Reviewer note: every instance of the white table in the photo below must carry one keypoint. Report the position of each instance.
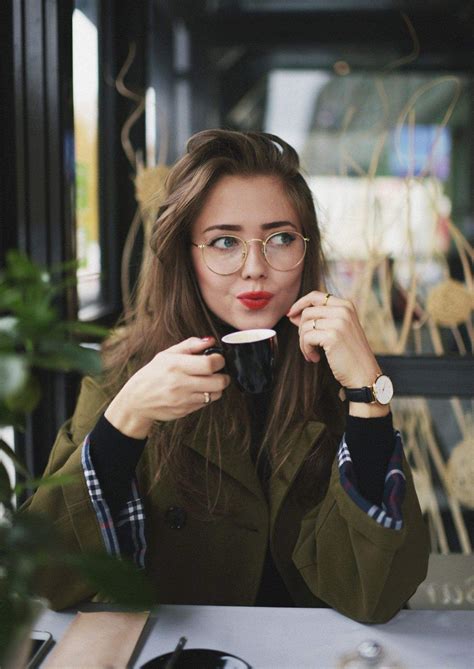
(278, 638)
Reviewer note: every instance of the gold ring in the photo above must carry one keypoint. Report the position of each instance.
(326, 298)
(314, 323)
(207, 398)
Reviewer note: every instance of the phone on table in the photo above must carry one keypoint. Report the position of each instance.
(41, 642)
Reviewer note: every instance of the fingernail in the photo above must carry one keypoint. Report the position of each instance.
(206, 338)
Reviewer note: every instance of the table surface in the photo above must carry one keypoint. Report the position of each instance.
(281, 638)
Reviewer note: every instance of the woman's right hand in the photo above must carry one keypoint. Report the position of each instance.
(170, 386)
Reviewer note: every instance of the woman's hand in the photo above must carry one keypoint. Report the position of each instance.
(172, 385)
(335, 327)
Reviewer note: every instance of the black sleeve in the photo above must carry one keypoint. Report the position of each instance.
(370, 442)
(115, 457)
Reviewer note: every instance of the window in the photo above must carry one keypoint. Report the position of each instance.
(86, 121)
(387, 157)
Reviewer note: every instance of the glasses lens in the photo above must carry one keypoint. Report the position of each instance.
(285, 250)
(224, 255)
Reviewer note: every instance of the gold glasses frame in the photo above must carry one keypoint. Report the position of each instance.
(245, 252)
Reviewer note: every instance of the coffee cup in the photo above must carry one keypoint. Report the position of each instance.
(250, 357)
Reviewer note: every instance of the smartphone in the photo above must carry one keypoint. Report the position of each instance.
(41, 642)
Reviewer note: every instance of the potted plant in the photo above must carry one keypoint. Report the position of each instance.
(33, 337)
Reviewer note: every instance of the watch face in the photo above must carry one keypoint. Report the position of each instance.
(383, 389)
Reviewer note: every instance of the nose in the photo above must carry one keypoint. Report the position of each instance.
(255, 265)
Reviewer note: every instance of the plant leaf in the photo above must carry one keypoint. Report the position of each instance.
(79, 327)
(26, 398)
(29, 534)
(17, 463)
(11, 418)
(118, 579)
(13, 374)
(52, 481)
(68, 356)
(5, 486)
(8, 324)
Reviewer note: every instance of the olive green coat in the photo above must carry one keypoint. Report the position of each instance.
(333, 552)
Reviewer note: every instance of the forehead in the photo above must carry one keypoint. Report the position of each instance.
(247, 202)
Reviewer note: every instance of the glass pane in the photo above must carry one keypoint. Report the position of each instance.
(438, 436)
(388, 160)
(85, 86)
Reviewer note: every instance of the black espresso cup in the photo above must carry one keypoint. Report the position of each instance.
(198, 658)
(250, 358)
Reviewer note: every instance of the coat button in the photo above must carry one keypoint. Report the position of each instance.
(175, 517)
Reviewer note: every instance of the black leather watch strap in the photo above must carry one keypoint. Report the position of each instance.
(359, 395)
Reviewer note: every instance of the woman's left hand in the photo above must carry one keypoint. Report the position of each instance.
(335, 327)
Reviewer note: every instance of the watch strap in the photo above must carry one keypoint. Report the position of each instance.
(359, 394)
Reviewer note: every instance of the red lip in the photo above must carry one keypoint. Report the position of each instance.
(257, 299)
(255, 295)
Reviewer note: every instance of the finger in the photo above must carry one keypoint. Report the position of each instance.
(311, 299)
(191, 394)
(295, 320)
(336, 325)
(192, 345)
(310, 313)
(309, 316)
(198, 400)
(314, 299)
(217, 362)
(311, 343)
(336, 312)
(188, 364)
(200, 365)
(214, 383)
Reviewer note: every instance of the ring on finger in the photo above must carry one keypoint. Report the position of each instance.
(314, 324)
(207, 398)
(326, 299)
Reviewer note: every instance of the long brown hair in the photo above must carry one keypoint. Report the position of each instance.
(169, 308)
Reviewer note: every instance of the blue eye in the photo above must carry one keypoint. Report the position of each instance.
(281, 239)
(224, 243)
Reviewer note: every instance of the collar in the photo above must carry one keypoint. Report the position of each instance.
(239, 466)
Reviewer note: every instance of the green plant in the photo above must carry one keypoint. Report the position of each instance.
(33, 337)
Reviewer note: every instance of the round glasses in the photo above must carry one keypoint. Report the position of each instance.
(226, 254)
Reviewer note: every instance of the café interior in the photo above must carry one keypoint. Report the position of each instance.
(377, 96)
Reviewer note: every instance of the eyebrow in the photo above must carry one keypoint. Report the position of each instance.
(238, 228)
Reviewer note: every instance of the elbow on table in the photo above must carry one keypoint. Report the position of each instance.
(400, 586)
(62, 588)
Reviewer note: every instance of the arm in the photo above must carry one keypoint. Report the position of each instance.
(109, 461)
(370, 444)
(365, 569)
(69, 505)
(80, 509)
(352, 554)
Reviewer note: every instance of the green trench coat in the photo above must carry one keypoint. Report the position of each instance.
(333, 553)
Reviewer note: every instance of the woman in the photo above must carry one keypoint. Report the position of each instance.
(227, 498)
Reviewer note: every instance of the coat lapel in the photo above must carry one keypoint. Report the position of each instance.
(232, 462)
(239, 466)
(303, 440)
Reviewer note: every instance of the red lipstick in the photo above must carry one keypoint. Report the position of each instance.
(257, 299)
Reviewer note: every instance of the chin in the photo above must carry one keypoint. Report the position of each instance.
(254, 321)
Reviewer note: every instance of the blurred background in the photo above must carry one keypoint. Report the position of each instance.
(99, 98)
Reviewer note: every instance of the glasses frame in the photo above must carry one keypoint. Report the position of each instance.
(245, 252)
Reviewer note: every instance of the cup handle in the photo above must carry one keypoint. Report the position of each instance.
(213, 349)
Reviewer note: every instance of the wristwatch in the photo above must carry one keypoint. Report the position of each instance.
(381, 391)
